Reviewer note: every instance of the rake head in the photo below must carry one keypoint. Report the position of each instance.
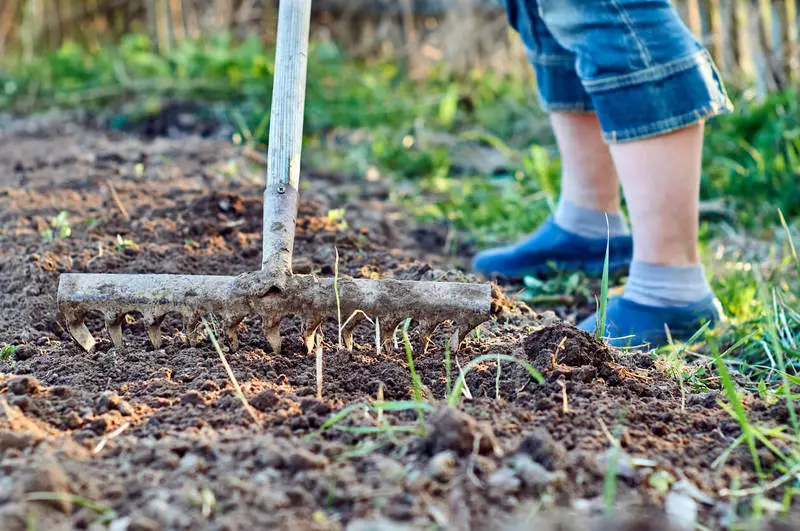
(231, 300)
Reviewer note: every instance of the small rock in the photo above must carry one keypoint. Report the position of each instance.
(72, 420)
(192, 463)
(14, 516)
(193, 398)
(533, 474)
(624, 464)
(264, 400)
(171, 515)
(442, 466)
(125, 409)
(24, 385)
(542, 448)
(417, 481)
(304, 460)
(450, 429)
(209, 385)
(107, 402)
(25, 352)
(376, 525)
(61, 391)
(707, 400)
(391, 470)
(312, 405)
(681, 510)
(23, 402)
(504, 482)
(98, 425)
(12, 440)
(685, 487)
(120, 524)
(50, 477)
(140, 522)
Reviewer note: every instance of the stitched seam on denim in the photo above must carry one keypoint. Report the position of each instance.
(668, 124)
(623, 13)
(647, 75)
(567, 107)
(551, 60)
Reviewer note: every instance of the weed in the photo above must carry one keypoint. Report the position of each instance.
(602, 304)
(738, 408)
(7, 351)
(59, 227)
(104, 514)
(123, 243)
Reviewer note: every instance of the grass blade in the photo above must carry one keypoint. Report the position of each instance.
(600, 329)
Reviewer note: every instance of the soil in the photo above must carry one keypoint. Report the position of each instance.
(134, 438)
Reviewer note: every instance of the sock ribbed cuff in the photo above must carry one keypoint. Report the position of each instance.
(664, 286)
(588, 222)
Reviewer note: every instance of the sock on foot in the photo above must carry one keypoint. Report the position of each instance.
(588, 222)
(664, 286)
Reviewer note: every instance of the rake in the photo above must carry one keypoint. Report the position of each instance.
(273, 292)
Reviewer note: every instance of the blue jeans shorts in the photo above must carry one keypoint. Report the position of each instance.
(632, 62)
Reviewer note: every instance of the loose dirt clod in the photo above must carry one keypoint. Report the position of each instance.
(264, 400)
(49, 477)
(542, 448)
(563, 344)
(451, 429)
(24, 385)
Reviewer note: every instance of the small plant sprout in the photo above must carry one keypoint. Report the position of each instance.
(461, 381)
(318, 364)
(59, 227)
(600, 330)
(337, 215)
(338, 300)
(7, 351)
(123, 243)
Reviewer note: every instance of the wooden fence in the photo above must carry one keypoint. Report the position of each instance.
(753, 41)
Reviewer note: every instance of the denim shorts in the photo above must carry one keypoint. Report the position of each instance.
(632, 62)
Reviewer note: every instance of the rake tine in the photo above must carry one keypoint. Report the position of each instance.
(153, 324)
(310, 327)
(272, 331)
(114, 327)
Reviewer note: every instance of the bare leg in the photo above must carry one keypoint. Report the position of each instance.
(661, 180)
(588, 176)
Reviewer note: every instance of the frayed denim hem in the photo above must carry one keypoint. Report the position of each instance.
(668, 125)
(659, 100)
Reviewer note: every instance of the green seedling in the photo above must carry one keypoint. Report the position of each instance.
(59, 227)
(123, 243)
(738, 411)
(7, 351)
(455, 394)
(602, 304)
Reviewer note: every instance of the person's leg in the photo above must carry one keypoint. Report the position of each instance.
(589, 203)
(652, 92)
(574, 238)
